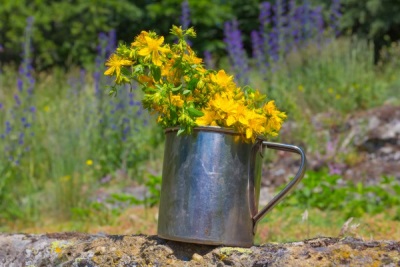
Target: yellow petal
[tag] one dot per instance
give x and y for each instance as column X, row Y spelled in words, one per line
column 144, row 51
column 110, row 71
column 249, row 133
column 231, row 120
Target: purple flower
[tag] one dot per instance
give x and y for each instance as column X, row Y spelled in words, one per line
column 185, row 18
column 257, row 47
column 265, row 22
column 318, row 23
column 335, row 16
column 21, row 138
column 8, row 127
column 111, row 42
column 17, row 100
column 237, row 54
column 208, row 60
column 265, row 16
column 20, row 84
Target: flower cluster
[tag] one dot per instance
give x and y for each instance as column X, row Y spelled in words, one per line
column 183, row 93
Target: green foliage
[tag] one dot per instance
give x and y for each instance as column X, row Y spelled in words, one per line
column 64, row 31
column 375, row 19
column 336, row 76
column 206, row 16
column 153, row 184
column 75, row 142
column 329, row 192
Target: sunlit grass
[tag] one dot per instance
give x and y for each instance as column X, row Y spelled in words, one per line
column 287, row 225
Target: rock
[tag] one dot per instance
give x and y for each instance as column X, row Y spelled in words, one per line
column 197, row 257
column 74, row 249
column 361, row 146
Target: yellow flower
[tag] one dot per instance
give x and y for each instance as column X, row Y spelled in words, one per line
column 173, row 77
column 223, row 80
column 176, row 100
column 192, row 59
column 223, row 104
column 269, row 108
column 65, row 178
column 148, row 81
column 115, row 63
column 154, row 49
column 140, row 40
column 89, row 162
column 207, row 119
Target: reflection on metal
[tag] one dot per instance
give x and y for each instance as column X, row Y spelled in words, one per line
column 211, row 185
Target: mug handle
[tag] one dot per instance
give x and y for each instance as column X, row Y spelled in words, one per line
column 290, row 185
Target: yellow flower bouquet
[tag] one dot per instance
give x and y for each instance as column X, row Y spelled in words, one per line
column 183, row 93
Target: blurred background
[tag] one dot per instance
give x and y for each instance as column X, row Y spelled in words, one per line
column 74, row 158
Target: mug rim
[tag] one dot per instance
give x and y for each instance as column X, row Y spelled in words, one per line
column 217, row 129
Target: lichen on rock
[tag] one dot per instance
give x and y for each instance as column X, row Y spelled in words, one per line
column 78, row 250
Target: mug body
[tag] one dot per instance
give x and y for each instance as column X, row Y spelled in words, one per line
column 209, row 191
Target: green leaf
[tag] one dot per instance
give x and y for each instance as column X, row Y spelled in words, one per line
column 180, row 131
column 175, row 89
column 186, row 92
column 156, row 73
column 192, row 84
column 138, row 69
column 195, row 112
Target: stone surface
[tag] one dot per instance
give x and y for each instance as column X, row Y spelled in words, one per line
column 79, row 250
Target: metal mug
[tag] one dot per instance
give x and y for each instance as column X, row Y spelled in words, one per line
column 211, row 185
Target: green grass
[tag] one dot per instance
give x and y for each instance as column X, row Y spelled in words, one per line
column 72, row 154
column 78, row 139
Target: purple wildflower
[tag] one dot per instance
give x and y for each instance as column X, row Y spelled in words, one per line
column 318, row 23
column 265, row 16
column 8, row 127
column 17, row 100
column 291, row 26
column 237, row 54
column 208, row 60
column 185, row 18
column 305, row 21
column 257, row 47
column 111, row 42
column 335, row 16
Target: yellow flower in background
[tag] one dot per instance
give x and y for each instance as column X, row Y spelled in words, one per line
column 89, row 162
column 154, row 49
column 300, row 88
column 65, row 178
column 46, row 108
